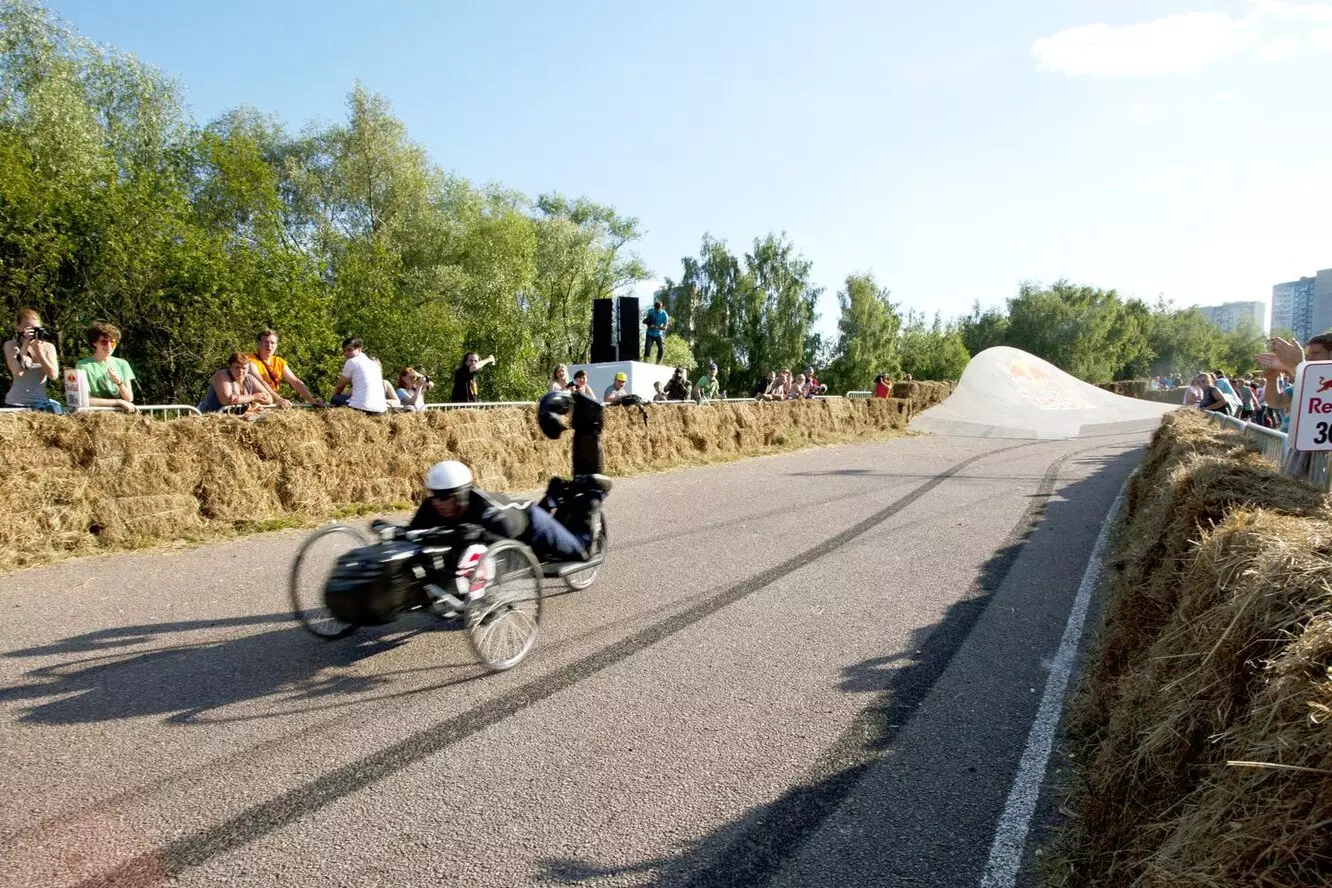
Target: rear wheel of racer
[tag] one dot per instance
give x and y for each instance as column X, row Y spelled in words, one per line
column 310, row 571
column 581, row 579
column 502, row 624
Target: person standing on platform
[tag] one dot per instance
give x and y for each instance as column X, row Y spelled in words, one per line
column 657, row 321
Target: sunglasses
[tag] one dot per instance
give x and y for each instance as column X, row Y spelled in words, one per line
column 107, row 340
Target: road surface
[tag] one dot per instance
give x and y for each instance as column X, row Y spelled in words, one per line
column 815, row 669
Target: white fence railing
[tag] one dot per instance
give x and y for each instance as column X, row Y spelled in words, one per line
column 1316, row 468
column 167, row 411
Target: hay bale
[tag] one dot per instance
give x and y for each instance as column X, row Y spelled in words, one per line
column 1215, row 647
column 109, row 480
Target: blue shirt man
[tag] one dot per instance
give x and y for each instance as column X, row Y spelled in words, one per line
column 657, row 321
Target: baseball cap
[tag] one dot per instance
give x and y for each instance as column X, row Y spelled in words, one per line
column 621, row 377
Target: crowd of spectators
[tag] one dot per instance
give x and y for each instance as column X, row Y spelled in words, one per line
column 250, row 383
column 247, row 384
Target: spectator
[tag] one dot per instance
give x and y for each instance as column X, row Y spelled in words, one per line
column 907, row 378
column 763, row 386
column 1213, row 399
column 32, row 361
column 411, row 389
column 559, row 380
column 235, row 388
column 616, row 390
column 660, row 395
column 464, row 378
column 883, row 386
column 677, row 389
column 272, row 371
column 365, row 377
column 1248, row 399
column 580, row 384
column 777, row 389
column 707, row 385
column 800, row 388
column 657, row 320
column 1234, row 405
column 1193, row 395
column 110, row 379
column 815, row 387
column 1286, row 357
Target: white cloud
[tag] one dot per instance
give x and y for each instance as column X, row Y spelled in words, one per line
column 1188, row 43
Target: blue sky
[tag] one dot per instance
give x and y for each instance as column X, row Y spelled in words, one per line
column 954, row 148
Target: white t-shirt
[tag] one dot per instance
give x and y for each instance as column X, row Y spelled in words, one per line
column 367, row 384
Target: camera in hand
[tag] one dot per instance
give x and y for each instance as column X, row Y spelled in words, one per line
column 40, row 334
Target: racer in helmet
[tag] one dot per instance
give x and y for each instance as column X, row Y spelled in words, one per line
column 452, row 499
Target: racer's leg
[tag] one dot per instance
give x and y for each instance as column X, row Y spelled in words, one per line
column 552, row 541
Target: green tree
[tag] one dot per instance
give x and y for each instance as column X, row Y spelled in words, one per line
column 931, row 350
column 867, row 335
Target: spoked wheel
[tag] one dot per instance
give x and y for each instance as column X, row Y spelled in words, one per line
column 314, row 564
column 502, row 625
column 583, row 578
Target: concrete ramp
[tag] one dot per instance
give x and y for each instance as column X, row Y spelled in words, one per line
column 1007, row 393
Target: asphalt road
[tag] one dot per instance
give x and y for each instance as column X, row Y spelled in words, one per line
column 816, row 669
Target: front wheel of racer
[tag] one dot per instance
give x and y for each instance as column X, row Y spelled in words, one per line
column 502, row 624
column 314, row 564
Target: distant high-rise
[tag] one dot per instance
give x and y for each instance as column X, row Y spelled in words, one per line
column 1293, row 305
column 1230, row 316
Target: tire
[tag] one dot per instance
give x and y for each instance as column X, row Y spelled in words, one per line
column 311, row 569
column 584, row 578
column 502, row 625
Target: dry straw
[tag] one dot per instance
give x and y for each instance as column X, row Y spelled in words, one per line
column 76, row 485
column 1215, row 652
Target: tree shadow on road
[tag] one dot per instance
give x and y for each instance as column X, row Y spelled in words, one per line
column 766, row 840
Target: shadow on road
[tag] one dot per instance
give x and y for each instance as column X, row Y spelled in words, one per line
column 120, row 680
column 754, row 849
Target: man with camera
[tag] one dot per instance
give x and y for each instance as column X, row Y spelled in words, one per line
column 32, row 361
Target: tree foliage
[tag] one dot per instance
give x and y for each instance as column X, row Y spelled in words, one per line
column 115, row 206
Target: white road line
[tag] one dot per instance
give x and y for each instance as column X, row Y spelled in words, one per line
column 1010, row 836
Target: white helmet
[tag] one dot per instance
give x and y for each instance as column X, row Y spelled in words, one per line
column 447, row 477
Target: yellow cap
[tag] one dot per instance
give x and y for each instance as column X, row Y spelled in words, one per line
column 620, row 377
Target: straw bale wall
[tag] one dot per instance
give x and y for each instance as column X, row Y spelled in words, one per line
column 97, row 481
column 1201, row 739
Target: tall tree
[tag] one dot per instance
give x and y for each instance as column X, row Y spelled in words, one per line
column 867, row 335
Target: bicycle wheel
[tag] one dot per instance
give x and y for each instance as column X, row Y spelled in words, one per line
column 314, row 564
column 583, row 578
column 502, row 624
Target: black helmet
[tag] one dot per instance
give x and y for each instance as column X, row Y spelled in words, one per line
column 549, row 412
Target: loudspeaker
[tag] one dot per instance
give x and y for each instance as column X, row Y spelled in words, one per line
column 629, row 328
column 603, row 331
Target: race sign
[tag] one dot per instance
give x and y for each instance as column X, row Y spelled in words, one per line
column 1311, row 407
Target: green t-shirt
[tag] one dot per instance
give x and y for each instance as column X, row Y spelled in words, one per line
column 707, row 386
column 99, row 383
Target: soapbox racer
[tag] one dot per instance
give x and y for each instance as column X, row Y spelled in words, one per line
column 344, row 577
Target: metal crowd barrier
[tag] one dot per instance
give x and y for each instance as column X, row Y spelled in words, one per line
column 168, row 411
column 481, row 405
column 1272, row 444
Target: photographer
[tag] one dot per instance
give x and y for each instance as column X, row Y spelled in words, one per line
column 110, row 379
column 32, row 361
column 412, row 388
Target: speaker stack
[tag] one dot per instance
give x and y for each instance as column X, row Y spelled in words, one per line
column 603, row 331
column 629, row 328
